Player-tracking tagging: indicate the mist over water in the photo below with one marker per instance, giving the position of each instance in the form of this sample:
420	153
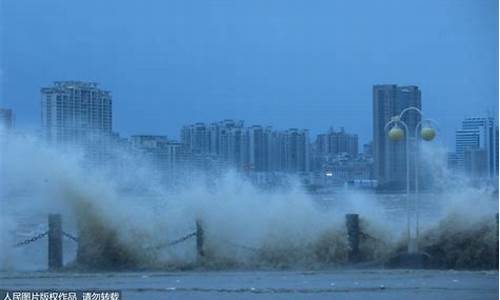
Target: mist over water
131	208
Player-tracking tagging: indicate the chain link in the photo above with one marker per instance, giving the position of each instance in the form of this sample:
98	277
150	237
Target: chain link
167	244
70	236
31	240
41	235
175	242
182	239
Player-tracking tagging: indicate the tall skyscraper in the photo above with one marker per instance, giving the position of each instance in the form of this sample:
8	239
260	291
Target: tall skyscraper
390	156
77	113
477	146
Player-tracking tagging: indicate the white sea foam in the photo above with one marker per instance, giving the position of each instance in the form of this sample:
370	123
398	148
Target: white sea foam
130	204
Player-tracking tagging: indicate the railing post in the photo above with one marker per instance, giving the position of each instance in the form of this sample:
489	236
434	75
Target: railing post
352	225
199	239
55	242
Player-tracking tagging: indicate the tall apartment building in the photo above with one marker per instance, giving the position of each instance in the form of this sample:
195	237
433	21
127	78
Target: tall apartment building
322	144
477	146
333	146
269	150
225	140
232	149
255	148
337	142
195	138
221	140
77	113
258	153
390	156
277	151
296	152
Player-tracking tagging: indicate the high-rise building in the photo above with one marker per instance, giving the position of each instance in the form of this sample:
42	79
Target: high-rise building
296	150
165	154
259	148
322	145
195	138
390	156
77	113
6	118
277	151
465	139
328	146
233	152
227	142
251	149
219	140
342	142
339	142
478	133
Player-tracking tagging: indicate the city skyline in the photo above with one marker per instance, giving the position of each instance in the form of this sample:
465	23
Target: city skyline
78	113
178	136
282	65
175	134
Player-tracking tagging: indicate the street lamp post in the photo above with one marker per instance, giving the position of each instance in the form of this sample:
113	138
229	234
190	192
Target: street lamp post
427	133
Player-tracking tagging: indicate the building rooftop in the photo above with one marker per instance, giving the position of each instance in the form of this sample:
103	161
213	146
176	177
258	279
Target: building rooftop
74	84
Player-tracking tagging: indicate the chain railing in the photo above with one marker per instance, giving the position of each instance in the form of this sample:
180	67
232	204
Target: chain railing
75	239
42	235
55	235
32	239
174	242
70	236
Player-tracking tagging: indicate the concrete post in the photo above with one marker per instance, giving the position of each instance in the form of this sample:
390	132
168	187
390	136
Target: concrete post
55	242
352	225
199	239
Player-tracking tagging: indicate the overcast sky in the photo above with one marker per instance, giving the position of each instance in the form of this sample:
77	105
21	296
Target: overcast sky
306	64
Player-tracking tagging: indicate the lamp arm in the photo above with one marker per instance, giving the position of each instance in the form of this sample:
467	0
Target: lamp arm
410	109
389	123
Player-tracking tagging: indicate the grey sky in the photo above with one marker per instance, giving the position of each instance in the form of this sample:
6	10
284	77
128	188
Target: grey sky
306	64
